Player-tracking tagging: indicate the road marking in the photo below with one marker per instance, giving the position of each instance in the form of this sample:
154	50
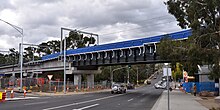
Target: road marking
130	100
67	105
35	103
87	107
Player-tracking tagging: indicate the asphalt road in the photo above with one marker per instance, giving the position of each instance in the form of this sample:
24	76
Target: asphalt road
142	98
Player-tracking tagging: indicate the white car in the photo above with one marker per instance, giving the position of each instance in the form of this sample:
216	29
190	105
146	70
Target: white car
160	85
118	88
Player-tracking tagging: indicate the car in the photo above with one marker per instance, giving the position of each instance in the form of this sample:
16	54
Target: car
155	77
118	88
130	86
160	85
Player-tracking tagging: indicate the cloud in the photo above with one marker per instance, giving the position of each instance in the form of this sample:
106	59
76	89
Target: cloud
125	20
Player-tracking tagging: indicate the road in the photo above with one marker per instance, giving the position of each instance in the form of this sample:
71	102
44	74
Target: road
142	98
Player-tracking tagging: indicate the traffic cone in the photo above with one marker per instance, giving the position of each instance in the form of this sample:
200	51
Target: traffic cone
55	89
67	89
12	93
82	89
25	93
77	88
5	93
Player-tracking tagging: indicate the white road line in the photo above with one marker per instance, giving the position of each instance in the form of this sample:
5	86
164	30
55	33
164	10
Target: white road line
67	105
35	103
87	107
130	100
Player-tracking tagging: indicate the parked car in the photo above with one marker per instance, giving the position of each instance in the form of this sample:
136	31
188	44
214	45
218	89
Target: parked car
118	88
130	86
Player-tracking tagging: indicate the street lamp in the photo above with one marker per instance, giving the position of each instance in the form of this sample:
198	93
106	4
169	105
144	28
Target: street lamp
20	30
115	70
168	94
64	51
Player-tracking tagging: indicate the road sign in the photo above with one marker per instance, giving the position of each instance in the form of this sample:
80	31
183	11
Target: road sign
50	76
165	72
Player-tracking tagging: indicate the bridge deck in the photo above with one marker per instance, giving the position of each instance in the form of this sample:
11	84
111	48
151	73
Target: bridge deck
121	45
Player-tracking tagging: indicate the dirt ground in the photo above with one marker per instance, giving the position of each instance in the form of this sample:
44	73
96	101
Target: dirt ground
209	102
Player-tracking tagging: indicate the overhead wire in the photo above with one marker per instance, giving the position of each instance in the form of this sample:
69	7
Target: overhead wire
131	29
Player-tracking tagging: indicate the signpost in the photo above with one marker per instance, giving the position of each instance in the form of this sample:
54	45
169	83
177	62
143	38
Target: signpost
167	72
50	77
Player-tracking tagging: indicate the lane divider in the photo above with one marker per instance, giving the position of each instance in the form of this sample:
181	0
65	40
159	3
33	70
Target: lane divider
67	105
90	106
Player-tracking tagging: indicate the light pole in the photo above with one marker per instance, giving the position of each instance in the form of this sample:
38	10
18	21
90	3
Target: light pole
20	30
137	76
113	72
168	86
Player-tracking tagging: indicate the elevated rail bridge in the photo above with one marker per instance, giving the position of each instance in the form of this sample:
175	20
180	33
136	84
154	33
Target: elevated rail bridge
88	59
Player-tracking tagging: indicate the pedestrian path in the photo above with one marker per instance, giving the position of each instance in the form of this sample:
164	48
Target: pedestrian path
178	101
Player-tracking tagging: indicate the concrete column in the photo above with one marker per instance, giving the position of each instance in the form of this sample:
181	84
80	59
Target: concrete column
90	80
77	80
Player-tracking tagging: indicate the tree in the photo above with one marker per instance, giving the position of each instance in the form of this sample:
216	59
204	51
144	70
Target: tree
202	16
78	40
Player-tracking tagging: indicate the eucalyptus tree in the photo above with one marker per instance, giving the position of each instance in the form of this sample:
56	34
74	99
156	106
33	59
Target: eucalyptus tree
203	17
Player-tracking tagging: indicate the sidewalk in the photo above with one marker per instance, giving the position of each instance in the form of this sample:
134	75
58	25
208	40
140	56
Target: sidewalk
178	101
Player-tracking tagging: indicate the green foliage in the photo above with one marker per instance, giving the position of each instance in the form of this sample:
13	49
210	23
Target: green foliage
77	40
203	17
120	75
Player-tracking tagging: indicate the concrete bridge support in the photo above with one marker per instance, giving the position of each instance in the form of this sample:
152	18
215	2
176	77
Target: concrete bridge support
90	80
90	76
77	80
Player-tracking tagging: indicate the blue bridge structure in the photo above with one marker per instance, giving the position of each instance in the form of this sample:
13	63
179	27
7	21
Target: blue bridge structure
127	52
87	60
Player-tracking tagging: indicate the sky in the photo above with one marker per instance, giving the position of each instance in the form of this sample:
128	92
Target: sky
112	20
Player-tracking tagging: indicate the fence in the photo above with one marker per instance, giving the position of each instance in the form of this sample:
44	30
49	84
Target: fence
44	85
28	82
201	86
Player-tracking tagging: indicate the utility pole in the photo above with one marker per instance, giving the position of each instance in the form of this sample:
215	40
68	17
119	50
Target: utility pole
111	75
137	75
63	52
20	30
168	86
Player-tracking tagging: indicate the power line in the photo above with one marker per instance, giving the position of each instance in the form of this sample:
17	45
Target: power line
136	28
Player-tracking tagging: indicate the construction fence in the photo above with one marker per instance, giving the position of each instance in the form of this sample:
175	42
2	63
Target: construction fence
44	85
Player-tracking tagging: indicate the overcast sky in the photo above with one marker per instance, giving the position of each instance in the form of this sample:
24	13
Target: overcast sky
112	20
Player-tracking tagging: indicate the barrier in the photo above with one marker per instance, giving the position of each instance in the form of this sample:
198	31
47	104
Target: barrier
2	96
200	86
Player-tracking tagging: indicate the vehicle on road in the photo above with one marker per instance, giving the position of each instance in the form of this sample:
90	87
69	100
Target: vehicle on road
118	88
130	86
160	85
